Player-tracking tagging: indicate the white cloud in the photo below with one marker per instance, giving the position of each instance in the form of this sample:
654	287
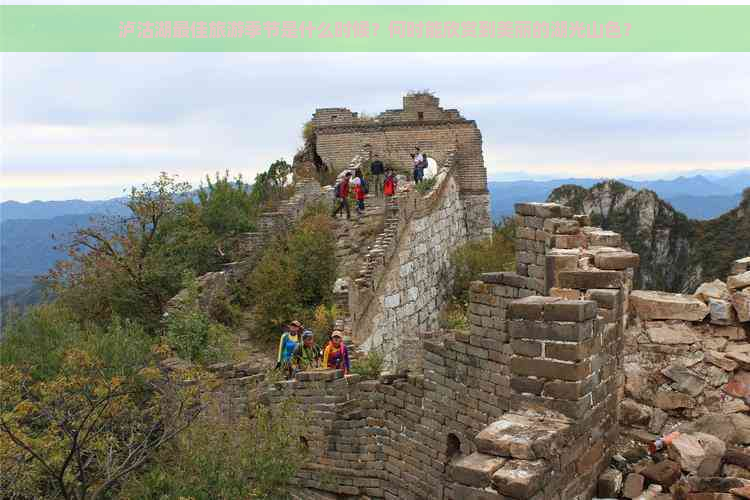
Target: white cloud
84	121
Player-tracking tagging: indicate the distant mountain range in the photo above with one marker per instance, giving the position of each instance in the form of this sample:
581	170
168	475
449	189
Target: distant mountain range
699	196
26	247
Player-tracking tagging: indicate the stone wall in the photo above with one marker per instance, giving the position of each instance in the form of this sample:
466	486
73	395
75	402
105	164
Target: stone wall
523	405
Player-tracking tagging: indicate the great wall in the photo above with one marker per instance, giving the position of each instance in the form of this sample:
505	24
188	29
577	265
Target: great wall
565	377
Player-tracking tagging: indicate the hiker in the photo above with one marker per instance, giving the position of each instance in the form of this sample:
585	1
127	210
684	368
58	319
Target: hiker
335	354
341	191
390	184
376	171
360	191
307	355
287	343
419	164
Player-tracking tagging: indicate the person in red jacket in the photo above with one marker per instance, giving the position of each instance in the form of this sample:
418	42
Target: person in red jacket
359	191
389	186
342	196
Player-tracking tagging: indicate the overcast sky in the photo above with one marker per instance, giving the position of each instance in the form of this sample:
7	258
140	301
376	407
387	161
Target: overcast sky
88	125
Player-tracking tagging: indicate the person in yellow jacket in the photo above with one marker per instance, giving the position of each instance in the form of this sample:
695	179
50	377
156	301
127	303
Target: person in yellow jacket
335	354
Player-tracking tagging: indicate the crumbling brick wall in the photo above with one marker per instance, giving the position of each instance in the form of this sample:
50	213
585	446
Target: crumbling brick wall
523	405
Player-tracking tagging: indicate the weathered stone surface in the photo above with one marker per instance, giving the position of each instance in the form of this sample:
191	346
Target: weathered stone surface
722	312
742	358
634	413
529	307
687	451
739	266
665	472
732	332
741	423
519	436
739	281
570	310
602	238
565	293
633	486
520	478
741	303
743	492
714	449
684	380
671	333
672	400
715	289
475	469
739	385
561	226
650	305
616	260
590	279
471	493
715	484
718	359
731	470
609	483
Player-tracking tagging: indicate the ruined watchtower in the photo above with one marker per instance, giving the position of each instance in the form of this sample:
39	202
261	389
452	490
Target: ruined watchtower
341	134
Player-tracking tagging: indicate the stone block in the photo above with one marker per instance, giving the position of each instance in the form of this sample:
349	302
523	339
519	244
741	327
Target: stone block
650	305
526	437
605	298
616	260
609	483
527	385
504	278
739	266
521	479
567	241
569	310
590	279
562	226
741	304
529	307
565	293
721	312
633	486
739	281
475	469
569	351
660	332
319	375
543	210
569	391
550	369
715	289
544	330
602	238
528	348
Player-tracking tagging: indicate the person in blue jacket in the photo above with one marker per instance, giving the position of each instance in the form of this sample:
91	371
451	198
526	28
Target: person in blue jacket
287	344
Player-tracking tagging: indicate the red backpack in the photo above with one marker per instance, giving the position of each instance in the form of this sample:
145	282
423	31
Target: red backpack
389	186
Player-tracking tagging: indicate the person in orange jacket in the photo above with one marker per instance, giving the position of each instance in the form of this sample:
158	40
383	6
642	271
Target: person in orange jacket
335	354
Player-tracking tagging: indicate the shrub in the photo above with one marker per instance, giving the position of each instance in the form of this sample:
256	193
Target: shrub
426	185
294	276
37	342
477	257
226	206
454	317
191	334
370	366
253	457
308	132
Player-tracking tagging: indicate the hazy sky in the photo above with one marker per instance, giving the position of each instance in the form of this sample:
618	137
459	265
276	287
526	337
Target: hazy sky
88	125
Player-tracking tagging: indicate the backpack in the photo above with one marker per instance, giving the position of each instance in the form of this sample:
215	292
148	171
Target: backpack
389	186
337	190
365	186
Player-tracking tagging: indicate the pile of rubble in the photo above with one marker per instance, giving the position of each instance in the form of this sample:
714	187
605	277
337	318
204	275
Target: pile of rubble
687	391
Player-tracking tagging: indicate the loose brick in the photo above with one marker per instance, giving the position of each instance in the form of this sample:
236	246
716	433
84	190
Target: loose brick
590	279
570	310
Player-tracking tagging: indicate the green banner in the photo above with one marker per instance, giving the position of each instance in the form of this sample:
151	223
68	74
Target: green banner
426	28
